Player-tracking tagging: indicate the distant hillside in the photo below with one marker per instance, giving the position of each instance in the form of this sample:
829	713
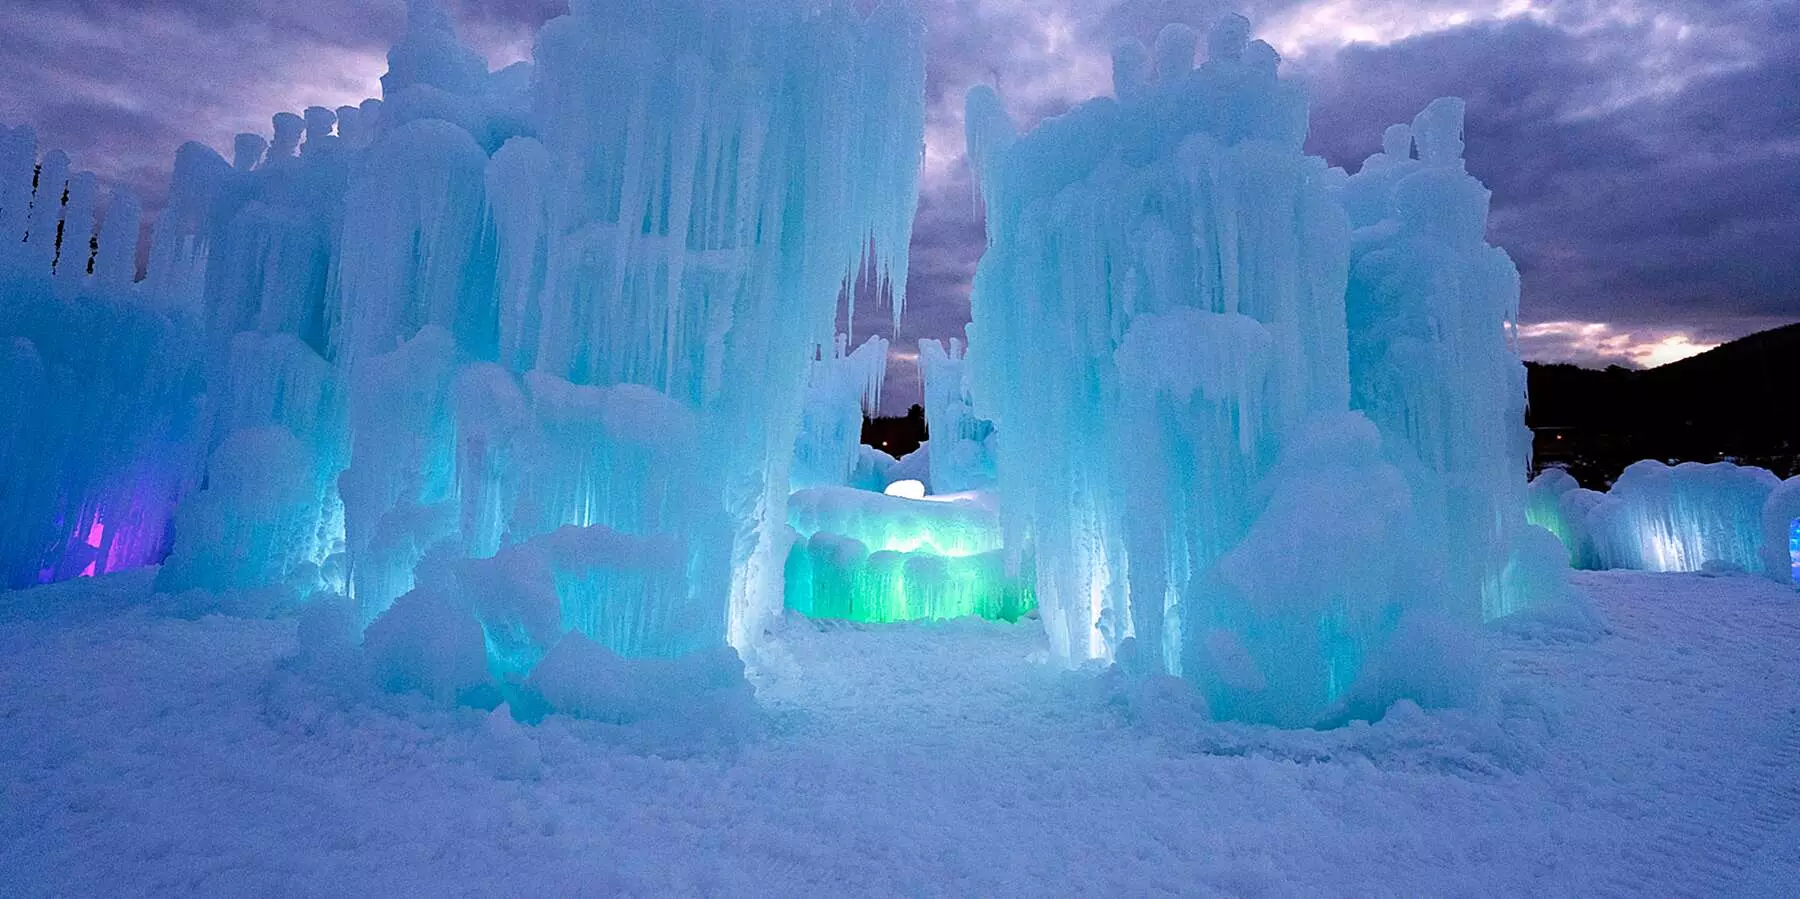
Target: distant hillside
1740	401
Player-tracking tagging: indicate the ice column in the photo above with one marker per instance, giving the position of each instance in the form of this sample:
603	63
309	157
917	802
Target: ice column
961	448
841	388
1166	355
1432	309
1161	301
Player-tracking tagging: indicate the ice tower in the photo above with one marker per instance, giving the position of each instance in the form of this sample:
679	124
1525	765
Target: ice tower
1432	312
1193	428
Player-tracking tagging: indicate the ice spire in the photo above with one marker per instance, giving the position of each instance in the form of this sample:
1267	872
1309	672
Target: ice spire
430	55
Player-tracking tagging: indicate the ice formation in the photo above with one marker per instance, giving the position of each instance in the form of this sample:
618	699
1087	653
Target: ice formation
1253	415
841	389
1689	517
866	556
961	451
549	328
1780	551
98	433
532	380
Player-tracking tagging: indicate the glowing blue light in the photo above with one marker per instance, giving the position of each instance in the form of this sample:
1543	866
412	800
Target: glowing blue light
1794	549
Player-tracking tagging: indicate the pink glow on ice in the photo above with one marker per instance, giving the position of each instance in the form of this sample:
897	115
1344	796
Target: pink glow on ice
94	536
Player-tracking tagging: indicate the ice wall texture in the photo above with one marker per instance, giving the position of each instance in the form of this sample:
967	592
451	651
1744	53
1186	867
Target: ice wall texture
98	391
583	292
1432	311
1187	347
841	388
961	453
1689	517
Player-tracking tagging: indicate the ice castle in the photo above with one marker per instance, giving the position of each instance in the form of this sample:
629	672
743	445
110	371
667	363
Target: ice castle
508	358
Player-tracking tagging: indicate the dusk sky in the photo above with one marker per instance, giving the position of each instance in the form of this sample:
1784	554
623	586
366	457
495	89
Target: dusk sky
1644	156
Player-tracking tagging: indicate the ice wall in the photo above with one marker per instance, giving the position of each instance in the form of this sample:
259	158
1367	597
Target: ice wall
1688	517
866	556
1682	518
1171	343
962	443
1780	554
841	388
718	171
1160	300
99	393
489	307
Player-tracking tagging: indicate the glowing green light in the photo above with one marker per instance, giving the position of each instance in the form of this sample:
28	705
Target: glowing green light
896	524
826	580
869	557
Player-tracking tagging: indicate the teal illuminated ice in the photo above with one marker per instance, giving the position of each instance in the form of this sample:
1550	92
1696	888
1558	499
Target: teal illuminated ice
872	557
1261	421
588	291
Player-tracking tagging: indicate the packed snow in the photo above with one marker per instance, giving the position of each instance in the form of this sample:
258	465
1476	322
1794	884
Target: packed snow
153	749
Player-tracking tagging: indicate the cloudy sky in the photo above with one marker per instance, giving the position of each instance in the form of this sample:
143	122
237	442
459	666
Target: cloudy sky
1644	154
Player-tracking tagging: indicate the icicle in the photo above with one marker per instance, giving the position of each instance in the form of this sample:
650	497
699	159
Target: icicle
116	263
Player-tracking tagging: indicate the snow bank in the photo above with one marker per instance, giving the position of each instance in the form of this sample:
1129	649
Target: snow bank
582	621
695	701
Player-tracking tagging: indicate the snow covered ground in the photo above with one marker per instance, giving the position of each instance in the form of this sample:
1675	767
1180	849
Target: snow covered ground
143	753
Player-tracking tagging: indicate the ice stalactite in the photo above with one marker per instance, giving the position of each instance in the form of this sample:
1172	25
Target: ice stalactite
412	231
18	169
399	491
115	260
43	228
185	232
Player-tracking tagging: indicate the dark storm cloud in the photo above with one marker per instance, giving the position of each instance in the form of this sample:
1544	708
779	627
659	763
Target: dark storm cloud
1632	190
1643	154
120	84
